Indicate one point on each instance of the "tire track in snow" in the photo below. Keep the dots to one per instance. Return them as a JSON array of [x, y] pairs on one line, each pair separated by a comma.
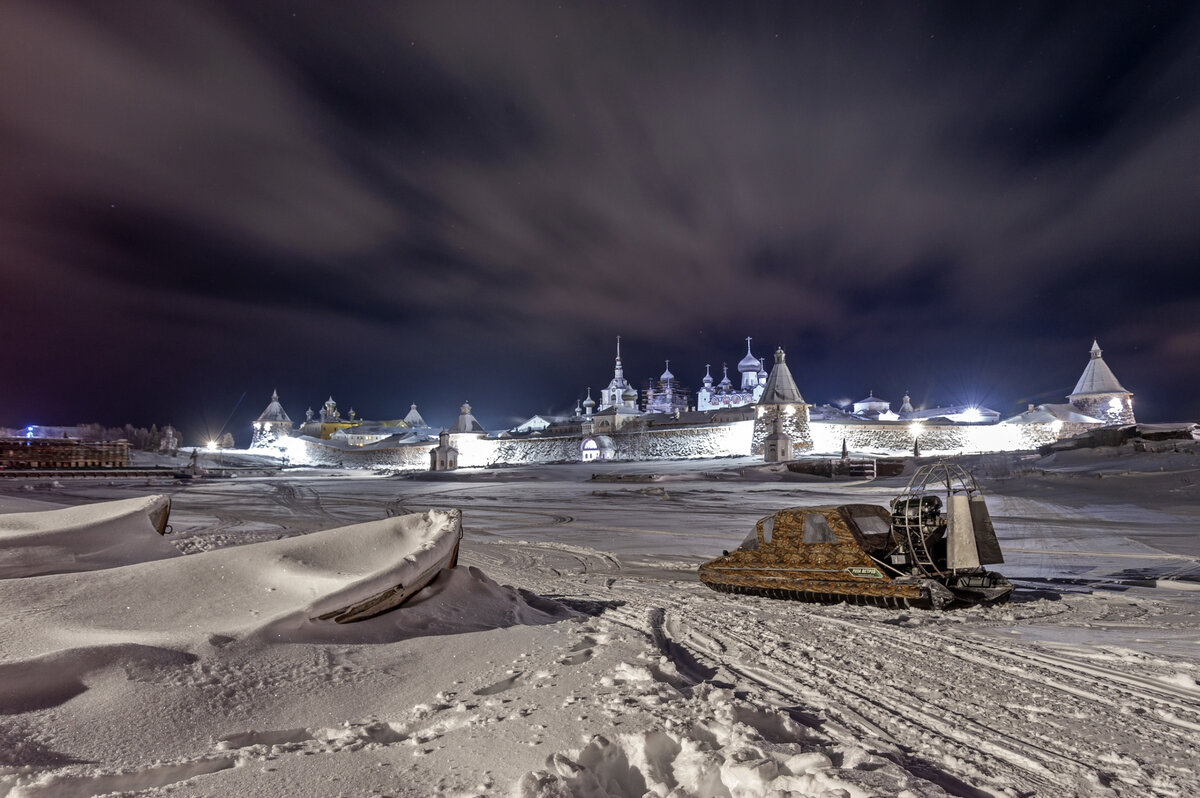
[[1028, 671], [945, 720], [856, 701]]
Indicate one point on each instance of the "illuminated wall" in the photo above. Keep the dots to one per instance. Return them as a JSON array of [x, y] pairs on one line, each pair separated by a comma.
[[1113, 408], [794, 423], [309, 451], [536, 450], [898, 438], [732, 439]]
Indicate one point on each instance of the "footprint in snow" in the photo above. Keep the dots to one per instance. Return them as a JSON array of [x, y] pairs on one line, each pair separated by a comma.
[[577, 659], [500, 686]]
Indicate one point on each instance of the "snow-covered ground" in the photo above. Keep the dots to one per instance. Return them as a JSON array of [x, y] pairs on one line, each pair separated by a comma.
[[574, 652]]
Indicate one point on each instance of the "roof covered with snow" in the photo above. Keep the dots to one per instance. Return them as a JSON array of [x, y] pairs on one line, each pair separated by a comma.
[[1097, 377], [413, 419], [274, 412], [1048, 414]]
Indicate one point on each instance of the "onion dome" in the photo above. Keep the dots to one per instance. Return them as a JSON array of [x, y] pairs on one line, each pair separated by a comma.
[[667, 375], [725, 384], [749, 362], [630, 394], [708, 380], [589, 402]]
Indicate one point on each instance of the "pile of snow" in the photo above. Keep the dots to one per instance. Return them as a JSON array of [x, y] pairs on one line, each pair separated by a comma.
[[282, 584], [85, 538], [69, 625]]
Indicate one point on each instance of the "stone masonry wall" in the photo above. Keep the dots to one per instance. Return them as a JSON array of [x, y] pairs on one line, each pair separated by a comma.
[[1100, 406], [795, 424]]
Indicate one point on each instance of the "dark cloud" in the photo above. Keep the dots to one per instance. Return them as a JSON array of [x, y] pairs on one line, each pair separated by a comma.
[[432, 202]]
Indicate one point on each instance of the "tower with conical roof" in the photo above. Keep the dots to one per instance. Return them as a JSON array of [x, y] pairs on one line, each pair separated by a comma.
[[466, 422], [272, 424], [1099, 394], [413, 419], [781, 400]]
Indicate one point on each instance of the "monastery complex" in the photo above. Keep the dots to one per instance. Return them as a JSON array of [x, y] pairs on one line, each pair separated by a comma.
[[763, 413]]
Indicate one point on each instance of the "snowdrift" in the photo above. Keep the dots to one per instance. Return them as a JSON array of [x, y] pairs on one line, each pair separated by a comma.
[[85, 538], [65, 626], [229, 592]]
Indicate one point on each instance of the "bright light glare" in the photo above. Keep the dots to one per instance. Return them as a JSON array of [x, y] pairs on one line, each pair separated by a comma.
[[1114, 404], [971, 415], [294, 449], [916, 428], [212, 446]]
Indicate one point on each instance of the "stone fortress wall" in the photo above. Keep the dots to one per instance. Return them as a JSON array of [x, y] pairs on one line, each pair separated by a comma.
[[733, 439], [1098, 400]]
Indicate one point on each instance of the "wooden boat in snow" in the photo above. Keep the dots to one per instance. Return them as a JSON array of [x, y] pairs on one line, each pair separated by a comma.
[[427, 565]]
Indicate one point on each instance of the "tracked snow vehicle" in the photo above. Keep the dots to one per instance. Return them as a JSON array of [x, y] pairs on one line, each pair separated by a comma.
[[927, 550]]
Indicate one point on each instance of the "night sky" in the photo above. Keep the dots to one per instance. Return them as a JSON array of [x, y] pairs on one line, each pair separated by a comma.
[[447, 201]]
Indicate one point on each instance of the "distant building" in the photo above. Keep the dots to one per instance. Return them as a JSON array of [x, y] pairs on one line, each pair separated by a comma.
[[169, 442], [668, 396], [725, 394], [619, 393], [777, 425], [875, 408], [534, 424], [1098, 393], [413, 419], [782, 407], [324, 424], [466, 422], [59, 452], [444, 456], [272, 424], [777, 447]]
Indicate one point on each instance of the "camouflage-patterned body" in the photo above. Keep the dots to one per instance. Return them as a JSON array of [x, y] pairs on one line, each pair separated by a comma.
[[819, 554]]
